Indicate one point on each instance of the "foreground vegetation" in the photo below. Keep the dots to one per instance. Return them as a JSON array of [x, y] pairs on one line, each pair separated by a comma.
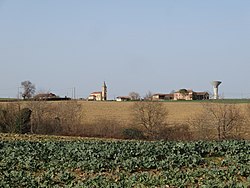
[[37, 161]]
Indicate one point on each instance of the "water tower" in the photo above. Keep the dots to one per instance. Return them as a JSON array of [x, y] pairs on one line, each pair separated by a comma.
[[215, 86]]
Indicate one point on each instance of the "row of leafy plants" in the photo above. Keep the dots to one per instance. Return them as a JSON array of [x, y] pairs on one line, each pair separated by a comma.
[[99, 163]]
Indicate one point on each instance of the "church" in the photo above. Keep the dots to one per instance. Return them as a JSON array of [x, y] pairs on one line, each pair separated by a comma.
[[99, 95]]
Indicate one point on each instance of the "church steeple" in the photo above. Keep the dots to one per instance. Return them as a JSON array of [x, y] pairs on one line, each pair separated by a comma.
[[104, 92]]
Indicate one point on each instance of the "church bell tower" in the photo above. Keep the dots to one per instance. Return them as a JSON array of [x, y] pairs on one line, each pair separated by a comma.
[[104, 92]]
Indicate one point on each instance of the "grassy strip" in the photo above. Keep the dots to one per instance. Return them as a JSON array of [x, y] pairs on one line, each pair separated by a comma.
[[35, 138]]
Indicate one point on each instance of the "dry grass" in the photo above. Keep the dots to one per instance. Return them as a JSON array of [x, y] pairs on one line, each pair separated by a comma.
[[110, 117], [121, 111]]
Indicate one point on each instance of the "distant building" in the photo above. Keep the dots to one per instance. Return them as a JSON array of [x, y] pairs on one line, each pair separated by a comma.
[[95, 96], [123, 98], [201, 96], [99, 95], [184, 94], [49, 97], [159, 96], [104, 92], [45, 96]]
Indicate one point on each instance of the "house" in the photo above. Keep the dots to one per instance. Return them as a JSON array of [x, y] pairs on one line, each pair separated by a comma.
[[184, 94], [123, 98], [160, 96], [99, 95]]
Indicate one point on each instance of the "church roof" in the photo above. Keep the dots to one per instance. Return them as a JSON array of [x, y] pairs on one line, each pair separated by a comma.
[[96, 92]]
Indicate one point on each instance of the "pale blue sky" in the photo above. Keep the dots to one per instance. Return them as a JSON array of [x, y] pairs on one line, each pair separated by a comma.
[[134, 45]]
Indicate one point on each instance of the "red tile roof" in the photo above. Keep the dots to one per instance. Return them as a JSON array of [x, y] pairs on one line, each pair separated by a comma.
[[97, 92]]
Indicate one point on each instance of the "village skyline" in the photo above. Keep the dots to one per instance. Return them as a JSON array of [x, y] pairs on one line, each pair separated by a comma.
[[139, 46], [28, 90], [102, 93]]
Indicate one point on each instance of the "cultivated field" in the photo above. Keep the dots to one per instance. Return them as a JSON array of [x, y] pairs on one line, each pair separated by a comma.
[[37, 161]]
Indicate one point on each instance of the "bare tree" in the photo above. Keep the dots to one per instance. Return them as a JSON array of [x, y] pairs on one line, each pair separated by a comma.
[[200, 124], [148, 96], [151, 115], [14, 118], [70, 115], [8, 116], [246, 128], [134, 96], [28, 89], [226, 118], [62, 117]]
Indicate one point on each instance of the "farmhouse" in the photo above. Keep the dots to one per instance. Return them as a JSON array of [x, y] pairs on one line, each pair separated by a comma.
[[184, 94], [99, 95], [159, 96]]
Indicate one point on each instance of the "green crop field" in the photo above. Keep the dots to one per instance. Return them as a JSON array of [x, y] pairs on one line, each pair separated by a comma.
[[39, 161]]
